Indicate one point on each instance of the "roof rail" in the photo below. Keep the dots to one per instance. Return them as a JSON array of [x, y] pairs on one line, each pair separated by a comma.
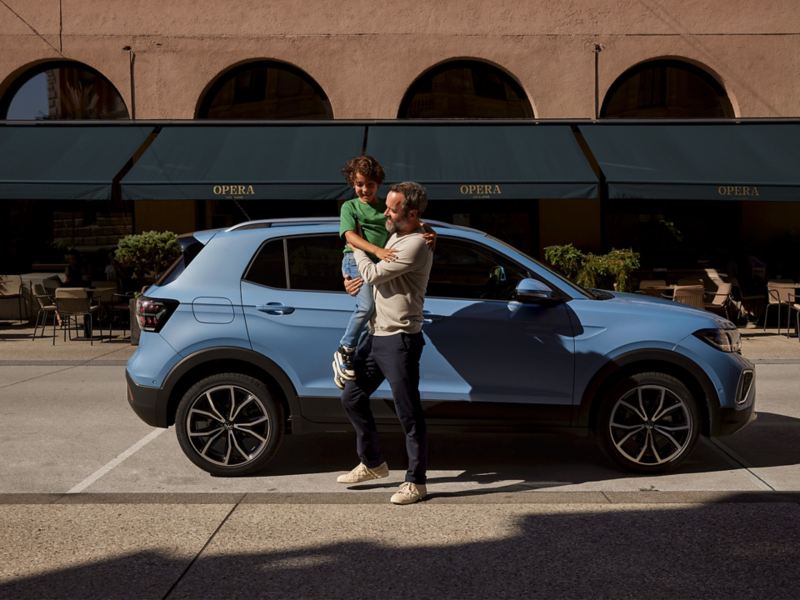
[[445, 225], [265, 223]]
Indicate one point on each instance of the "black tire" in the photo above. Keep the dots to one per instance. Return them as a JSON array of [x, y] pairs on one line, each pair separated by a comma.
[[648, 423], [229, 424]]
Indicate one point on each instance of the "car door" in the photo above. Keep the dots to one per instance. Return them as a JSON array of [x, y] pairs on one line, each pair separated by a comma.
[[499, 359], [296, 311]]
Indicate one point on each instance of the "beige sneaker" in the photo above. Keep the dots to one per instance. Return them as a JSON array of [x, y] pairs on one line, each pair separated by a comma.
[[363, 473], [409, 493]]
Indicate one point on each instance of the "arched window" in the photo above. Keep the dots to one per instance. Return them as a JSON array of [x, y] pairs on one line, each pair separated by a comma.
[[666, 89], [465, 89], [264, 90], [62, 90]]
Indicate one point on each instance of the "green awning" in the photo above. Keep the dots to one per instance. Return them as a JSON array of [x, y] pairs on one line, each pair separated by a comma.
[[485, 160], [245, 162], [65, 162], [704, 161]]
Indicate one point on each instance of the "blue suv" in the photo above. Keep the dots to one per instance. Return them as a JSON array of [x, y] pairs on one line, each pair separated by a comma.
[[237, 338]]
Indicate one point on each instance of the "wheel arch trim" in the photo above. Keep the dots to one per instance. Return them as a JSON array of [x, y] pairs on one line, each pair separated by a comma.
[[252, 359], [650, 360]]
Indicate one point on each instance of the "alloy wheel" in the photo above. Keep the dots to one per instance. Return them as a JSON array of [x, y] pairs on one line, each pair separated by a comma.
[[651, 425], [228, 426]]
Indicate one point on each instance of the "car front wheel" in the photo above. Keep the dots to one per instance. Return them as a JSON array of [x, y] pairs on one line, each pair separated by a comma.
[[229, 424], [648, 422]]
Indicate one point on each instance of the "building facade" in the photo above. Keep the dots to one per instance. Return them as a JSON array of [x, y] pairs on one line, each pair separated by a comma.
[[362, 59]]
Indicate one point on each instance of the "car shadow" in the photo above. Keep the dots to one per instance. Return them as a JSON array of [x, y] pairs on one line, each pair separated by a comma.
[[493, 464]]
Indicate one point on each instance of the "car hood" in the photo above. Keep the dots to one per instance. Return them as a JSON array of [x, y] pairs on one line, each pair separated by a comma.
[[645, 303]]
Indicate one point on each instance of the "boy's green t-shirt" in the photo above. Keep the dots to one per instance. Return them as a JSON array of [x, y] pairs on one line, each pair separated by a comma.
[[369, 217]]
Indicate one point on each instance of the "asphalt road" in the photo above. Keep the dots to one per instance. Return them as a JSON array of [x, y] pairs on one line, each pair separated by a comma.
[[67, 428], [96, 504]]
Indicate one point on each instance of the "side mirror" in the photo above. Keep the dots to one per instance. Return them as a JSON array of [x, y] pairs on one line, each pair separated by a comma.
[[534, 291]]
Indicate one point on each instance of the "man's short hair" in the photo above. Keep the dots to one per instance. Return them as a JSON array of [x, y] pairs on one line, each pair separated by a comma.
[[416, 198], [367, 166]]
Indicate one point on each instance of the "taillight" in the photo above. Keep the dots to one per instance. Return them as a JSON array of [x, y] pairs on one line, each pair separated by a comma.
[[153, 313]]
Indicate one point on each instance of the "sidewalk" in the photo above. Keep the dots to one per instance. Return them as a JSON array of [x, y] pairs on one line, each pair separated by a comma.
[[16, 346]]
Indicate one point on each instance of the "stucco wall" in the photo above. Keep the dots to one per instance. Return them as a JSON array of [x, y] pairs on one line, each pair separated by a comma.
[[365, 54]]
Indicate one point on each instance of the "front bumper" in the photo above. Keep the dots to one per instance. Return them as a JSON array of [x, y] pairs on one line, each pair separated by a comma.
[[731, 419]]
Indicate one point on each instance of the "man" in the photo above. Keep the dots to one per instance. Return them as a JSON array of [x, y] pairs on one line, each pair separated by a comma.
[[394, 345]]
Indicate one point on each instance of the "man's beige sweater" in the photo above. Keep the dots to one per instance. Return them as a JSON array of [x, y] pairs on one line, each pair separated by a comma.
[[399, 286]]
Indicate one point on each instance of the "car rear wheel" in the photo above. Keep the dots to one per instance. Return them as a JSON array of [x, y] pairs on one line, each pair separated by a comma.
[[648, 422], [229, 424]]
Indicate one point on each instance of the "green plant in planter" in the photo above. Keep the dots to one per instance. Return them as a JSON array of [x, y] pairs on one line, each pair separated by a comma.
[[594, 270], [621, 265], [567, 259], [141, 258]]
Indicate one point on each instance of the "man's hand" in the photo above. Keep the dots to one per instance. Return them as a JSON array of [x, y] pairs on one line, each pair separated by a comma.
[[387, 254], [429, 236], [352, 286]]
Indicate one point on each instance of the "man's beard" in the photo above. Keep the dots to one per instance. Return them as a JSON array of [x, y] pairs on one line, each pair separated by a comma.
[[396, 225]]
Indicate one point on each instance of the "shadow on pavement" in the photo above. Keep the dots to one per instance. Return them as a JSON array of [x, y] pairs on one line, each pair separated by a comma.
[[726, 550], [537, 461]]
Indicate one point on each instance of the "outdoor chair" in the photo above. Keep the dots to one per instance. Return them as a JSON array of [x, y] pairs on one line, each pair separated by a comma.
[[11, 304], [72, 303], [47, 307], [691, 295], [690, 281], [120, 311], [652, 287], [720, 300], [779, 294], [103, 295]]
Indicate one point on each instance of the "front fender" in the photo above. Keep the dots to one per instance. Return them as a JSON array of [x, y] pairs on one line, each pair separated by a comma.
[[649, 359]]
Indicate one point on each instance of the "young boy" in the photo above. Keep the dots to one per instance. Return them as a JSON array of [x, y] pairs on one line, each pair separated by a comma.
[[362, 225]]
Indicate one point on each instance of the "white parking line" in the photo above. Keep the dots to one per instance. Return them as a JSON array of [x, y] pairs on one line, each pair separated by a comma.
[[116, 461]]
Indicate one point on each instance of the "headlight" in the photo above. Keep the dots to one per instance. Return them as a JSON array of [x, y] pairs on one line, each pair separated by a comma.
[[727, 340]]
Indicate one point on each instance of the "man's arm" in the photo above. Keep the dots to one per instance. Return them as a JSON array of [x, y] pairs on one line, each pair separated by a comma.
[[377, 273]]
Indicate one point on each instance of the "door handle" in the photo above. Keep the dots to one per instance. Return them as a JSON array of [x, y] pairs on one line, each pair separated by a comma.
[[276, 308], [430, 317]]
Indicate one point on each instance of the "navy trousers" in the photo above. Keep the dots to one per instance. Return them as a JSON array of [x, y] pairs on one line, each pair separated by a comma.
[[396, 359]]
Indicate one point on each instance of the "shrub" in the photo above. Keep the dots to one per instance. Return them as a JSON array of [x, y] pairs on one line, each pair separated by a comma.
[[141, 258], [594, 270]]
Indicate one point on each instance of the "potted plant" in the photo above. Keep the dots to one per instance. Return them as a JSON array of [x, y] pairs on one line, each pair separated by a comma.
[[139, 260], [595, 270]]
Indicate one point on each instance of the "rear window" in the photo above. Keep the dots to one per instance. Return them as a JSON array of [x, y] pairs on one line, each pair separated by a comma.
[[299, 263], [190, 248]]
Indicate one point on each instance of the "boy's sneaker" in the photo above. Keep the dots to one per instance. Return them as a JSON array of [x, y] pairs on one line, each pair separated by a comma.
[[363, 473], [343, 363], [409, 493]]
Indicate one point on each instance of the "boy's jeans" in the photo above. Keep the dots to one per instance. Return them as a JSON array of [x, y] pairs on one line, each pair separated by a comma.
[[365, 304]]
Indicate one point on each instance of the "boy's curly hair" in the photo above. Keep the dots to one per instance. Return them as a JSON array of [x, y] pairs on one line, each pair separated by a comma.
[[367, 166]]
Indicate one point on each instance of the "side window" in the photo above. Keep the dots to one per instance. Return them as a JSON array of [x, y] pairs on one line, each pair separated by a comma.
[[315, 263], [268, 267], [463, 269]]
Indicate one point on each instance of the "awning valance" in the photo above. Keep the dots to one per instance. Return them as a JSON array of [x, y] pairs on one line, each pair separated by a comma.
[[460, 160], [703, 161], [485, 160], [245, 162], [65, 162]]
